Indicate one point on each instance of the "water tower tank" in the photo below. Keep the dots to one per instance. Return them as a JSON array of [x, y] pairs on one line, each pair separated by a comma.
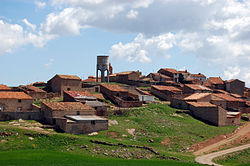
[[102, 65]]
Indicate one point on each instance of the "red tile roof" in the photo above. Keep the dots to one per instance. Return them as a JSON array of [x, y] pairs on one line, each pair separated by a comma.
[[33, 88], [98, 95], [126, 72], [197, 87], [67, 106], [201, 104], [15, 95], [114, 87], [197, 96], [169, 70], [69, 77], [215, 80], [198, 75], [166, 88], [228, 97], [4, 87], [78, 93]]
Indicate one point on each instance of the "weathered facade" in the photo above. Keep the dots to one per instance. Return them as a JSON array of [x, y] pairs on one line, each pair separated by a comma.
[[165, 92], [34, 92], [215, 83], [128, 77], [15, 105], [171, 73], [59, 83], [198, 76], [235, 86], [120, 96]]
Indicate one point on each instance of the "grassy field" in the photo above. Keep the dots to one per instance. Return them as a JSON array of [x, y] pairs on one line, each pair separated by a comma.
[[156, 125], [53, 158], [235, 159]]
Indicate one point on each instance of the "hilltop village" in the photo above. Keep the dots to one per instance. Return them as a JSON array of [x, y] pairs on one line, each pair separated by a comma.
[[81, 106]]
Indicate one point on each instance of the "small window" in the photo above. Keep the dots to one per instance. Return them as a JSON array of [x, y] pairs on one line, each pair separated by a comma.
[[2, 108], [19, 100], [78, 112], [19, 108], [68, 88], [92, 122]]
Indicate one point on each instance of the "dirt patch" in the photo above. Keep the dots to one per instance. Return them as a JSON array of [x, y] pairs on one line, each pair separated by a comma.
[[112, 134], [165, 142], [240, 136]]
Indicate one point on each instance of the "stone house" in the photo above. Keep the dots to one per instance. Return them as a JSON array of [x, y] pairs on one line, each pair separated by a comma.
[[165, 92], [59, 83], [120, 96], [235, 86], [16, 105], [228, 102], [174, 74], [214, 114], [86, 97], [34, 92], [247, 92], [215, 83], [193, 88], [53, 110], [185, 74], [128, 77], [159, 77], [198, 76], [81, 124]]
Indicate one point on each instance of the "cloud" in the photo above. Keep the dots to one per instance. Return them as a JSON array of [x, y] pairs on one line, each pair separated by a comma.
[[32, 26], [40, 4], [13, 36], [49, 64], [132, 14]]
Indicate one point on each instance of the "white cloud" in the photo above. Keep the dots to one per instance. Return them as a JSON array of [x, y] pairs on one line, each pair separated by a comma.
[[13, 36], [32, 26], [132, 14], [50, 63], [40, 4]]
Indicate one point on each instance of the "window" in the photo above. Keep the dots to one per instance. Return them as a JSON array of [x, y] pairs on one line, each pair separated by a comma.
[[19, 108], [19, 100], [92, 122], [2, 108], [78, 112], [68, 88]]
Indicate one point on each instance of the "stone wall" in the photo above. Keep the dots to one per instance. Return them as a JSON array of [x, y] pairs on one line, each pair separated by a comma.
[[21, 115], [15, 105]]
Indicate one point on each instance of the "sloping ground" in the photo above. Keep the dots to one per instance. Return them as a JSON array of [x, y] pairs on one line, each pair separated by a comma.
[[240, 136], [207, 159]]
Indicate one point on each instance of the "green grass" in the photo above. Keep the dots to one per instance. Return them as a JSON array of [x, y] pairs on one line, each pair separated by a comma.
[[53, 158], [235, 159], [157, 122]]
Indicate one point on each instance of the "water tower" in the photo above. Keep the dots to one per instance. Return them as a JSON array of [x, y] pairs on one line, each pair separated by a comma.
[[102, 65]]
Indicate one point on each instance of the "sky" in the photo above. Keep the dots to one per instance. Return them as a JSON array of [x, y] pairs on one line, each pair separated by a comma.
[[42, 38]]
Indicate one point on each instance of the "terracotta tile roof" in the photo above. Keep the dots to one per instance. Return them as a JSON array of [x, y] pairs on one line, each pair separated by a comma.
[[67, 106], [228, 97], [198, 75], [248, 103], [15, 95], [235, 95], [169, 70], [114, 87], [78, 93], [215, 80], [201, 104], [126, 72], [197, 96], [183, 71], [197, 87], [34, 89], [166, 88], [89, 80], [98, 95], [216, 98], [69, 77], [221, 91], [232, 80], [4, 87]]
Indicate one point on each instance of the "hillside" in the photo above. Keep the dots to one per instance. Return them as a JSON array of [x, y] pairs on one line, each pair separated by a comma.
[[155, 126]]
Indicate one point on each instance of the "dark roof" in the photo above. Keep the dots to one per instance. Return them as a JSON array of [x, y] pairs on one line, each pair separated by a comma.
[[15, 95]]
